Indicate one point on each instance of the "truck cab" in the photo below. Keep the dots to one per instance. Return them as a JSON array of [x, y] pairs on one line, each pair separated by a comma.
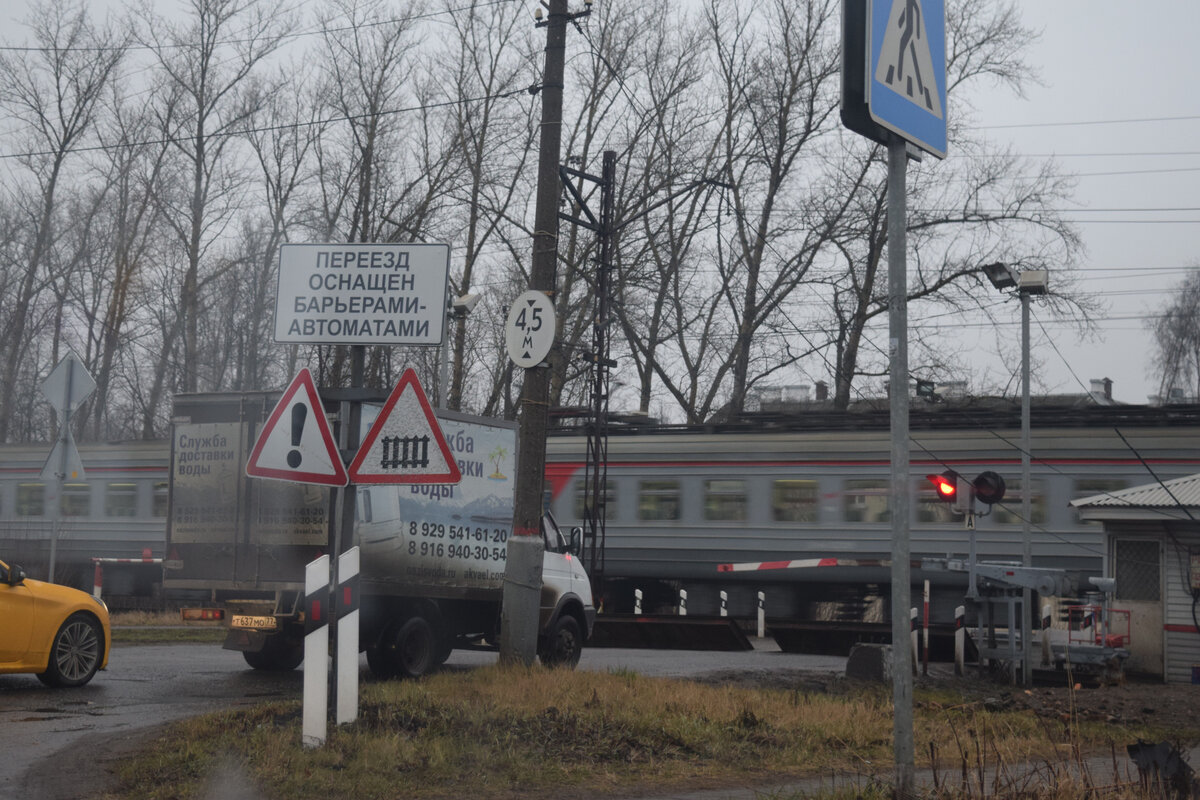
[[567, 609]]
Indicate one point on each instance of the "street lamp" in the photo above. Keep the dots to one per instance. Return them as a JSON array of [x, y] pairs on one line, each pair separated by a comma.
[[1028, 283]]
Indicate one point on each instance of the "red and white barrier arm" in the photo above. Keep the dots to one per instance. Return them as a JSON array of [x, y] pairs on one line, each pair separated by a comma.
[[806, 563]]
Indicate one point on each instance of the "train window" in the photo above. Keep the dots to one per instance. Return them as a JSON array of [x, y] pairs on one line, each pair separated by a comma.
[[76, 500], [725, 500], [1008, 510], [581, 499], [159, 508], [931, 508], [794, 501], [1086, 487], [866, 501], [120, 500], [658, 500], [31, 499]]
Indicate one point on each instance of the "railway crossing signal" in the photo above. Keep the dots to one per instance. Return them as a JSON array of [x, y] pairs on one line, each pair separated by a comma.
[[953, 488], [989, 487]]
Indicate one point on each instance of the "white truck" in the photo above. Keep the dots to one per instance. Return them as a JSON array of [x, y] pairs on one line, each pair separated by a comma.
[[432, 555]]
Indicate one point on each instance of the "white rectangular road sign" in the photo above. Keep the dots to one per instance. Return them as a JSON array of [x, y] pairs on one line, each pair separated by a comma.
[[391, 294]]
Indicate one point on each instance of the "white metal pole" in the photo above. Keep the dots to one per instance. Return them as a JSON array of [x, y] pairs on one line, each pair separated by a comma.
[[1026, 496]]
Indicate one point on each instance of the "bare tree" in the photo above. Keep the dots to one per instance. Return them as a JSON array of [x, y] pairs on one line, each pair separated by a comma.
[[211, 87], [128, 173], [54, 91], [495, 140], [387, 165], [983, 206], [1177, 340]]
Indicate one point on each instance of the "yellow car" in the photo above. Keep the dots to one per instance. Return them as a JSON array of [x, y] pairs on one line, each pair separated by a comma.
[[62, 634]]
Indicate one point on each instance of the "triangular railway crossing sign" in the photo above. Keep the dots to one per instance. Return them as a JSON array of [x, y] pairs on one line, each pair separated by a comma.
[[406, 443], [296, 444]]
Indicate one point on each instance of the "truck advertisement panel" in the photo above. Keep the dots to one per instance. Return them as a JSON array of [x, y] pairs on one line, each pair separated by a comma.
[[445, 535]]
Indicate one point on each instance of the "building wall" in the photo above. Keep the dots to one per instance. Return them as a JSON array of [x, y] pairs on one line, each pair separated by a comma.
[[1182, 639]]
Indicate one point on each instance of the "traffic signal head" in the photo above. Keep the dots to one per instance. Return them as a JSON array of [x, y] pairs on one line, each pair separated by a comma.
[[946, 485], [989, 487]]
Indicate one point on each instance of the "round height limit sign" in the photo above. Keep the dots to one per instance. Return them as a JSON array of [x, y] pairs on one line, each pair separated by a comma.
[[529, 333]]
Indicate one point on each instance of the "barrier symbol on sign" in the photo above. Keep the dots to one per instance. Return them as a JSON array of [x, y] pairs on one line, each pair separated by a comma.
[[905, 62], [405, 443], [396, 452]]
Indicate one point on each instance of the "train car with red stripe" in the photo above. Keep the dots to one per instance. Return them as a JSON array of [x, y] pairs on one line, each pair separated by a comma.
[[112, 513], [681, 500]]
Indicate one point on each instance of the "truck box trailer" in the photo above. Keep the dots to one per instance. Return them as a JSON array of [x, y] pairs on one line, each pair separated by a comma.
[[433, 555]]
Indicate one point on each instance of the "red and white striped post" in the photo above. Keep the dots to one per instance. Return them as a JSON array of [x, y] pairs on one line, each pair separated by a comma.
[[346, 710], [316, 652], [912, 633], [960, 640], [1047, 645], [925, 632], [762, 614]]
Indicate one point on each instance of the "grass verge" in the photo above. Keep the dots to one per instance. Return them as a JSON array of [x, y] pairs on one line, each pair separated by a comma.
[[160, 627], [535, 733]]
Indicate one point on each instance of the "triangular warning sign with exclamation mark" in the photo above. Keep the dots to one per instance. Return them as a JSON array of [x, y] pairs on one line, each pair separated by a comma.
[[296, 444]]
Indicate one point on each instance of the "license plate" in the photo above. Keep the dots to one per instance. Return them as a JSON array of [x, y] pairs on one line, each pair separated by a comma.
[[248, 621]]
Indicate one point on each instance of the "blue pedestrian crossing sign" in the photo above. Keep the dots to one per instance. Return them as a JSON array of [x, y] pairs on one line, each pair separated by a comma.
[[906, 70]]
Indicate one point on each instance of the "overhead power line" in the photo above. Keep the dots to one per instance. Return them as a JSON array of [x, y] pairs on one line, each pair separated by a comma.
[[322, 31], [1066, 123]]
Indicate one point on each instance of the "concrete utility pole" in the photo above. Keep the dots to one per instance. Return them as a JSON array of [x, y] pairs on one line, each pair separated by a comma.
[[523, 573]]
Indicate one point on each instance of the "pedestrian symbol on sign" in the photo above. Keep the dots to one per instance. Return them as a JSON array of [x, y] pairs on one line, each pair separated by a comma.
[[905, 63]]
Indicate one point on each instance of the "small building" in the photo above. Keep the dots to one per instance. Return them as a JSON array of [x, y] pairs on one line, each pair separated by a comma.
[[1152, 550]]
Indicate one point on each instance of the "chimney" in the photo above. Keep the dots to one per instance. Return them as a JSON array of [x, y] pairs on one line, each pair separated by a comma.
[[1101, 390]]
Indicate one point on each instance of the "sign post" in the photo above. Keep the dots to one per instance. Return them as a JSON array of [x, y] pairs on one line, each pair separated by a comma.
[[897, 98], [354, 295], [66, 387]]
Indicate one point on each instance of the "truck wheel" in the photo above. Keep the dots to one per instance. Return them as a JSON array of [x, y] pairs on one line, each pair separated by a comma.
[[563, 645], [379, 659], [277, 655], [444, 648], [408, 650]]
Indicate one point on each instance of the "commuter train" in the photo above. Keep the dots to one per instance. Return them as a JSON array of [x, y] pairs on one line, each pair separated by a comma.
[[681, 500], [115, 509]]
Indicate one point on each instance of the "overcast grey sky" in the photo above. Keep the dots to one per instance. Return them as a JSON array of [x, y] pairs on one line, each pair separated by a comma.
[[1119, 107], [1122, 77]]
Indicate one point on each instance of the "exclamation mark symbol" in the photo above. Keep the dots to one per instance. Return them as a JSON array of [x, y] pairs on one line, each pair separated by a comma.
[[299, 414]]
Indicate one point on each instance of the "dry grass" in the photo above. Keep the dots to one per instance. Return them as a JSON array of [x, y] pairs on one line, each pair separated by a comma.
[[161, 627], [536, 733], [144, 618]]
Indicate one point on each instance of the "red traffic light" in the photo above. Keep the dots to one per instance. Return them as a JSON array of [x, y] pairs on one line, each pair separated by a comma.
[[946, 485]]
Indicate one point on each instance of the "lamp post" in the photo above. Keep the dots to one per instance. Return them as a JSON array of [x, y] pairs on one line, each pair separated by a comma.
[[1027, 283]]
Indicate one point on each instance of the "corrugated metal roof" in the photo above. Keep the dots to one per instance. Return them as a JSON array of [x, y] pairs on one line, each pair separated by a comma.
[[1170, 494]]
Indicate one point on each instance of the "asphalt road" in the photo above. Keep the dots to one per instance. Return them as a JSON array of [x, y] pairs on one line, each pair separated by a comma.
[[50, 738]]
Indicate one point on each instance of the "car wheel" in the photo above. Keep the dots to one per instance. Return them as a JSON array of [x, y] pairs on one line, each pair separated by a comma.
[[76, 652], [563, 645]]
